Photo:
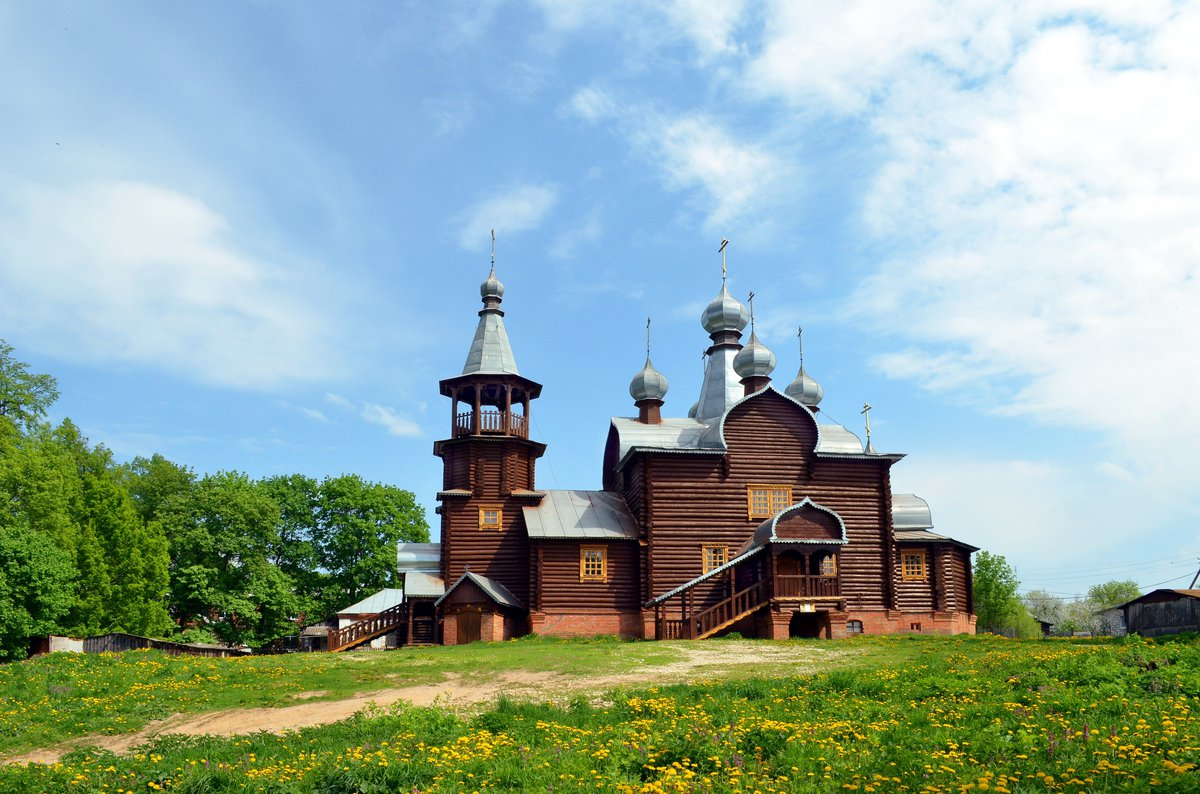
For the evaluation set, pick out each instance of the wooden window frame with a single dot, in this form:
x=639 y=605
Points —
x=919 y=572
x=498 y=510
x=584 y=576
x=705 y=559
x=772 y=489
x=833 y=561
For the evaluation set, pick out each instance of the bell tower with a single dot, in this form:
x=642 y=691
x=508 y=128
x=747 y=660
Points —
x=488 y=460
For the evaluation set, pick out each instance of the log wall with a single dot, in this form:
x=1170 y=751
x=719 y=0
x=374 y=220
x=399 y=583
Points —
x=561 y=588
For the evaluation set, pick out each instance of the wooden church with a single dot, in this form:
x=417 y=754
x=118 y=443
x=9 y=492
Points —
x=749 y=515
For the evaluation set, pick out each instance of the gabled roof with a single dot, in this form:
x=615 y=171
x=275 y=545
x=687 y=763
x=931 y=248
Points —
x=490 y=587
x=386 y=598
x=1161 y=592
x=592 y=515
x=691 y=435
x=764 y=533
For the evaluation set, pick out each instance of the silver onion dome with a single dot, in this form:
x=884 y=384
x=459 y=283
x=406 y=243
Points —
x=648 y=384
x=725 y=313
x=491 y=286
x=694 y=410
x=754 y=360
x=805 y=390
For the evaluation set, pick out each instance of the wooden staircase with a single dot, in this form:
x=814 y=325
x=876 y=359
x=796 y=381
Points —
x=721 y=615
x=365 y=630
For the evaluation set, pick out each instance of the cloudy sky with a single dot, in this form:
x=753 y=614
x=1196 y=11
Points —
x=250 y=236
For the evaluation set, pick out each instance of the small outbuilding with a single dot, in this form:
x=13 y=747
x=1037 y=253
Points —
x=1162 y=612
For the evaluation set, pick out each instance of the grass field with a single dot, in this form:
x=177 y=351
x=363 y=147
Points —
x=897 y=714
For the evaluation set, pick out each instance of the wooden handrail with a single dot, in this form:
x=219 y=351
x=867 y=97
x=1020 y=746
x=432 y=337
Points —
x=363 y=630
x=805 y=586
x=738 y=604
x=491 y=423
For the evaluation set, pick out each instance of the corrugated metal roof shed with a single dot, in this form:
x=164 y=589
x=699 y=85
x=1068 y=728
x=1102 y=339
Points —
x=594 y=515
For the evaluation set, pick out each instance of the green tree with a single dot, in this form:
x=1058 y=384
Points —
x=153 y=482
x=219 y=535
x=24 y=396
x=997 y=607
x=1113 y=593
x=294 y=548
x=358 y=527
x=36 y=588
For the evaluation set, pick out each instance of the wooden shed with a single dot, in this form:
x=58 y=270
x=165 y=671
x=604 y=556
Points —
x=1162 y=612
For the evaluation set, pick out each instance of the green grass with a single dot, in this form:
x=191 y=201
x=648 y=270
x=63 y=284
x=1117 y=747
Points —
x=904 y=714
x=62 y=696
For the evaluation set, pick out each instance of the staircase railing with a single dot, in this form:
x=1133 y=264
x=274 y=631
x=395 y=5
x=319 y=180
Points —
x=735 y=607
x=367 y=629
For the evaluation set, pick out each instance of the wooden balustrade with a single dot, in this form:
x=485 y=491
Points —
x=806 y=586
x=740 y=603
x=490 y=423
x=363 y=630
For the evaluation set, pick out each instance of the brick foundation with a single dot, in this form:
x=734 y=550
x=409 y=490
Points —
x=589 y=623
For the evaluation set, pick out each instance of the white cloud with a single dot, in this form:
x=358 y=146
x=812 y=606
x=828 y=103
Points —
x=386 y=417
x=314 y=414
x=568 y=241
x=339 y=401
x=514 y=209
x=730 y=178
x=128 y=271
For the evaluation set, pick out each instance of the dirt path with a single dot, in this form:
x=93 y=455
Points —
x=697 y=661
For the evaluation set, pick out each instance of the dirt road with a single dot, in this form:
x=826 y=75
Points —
x=698 y=661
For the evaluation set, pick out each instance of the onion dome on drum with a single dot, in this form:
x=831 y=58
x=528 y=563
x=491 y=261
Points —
x=725 y=313
x=491 y=286
x=648 y=384
x=754 y=360
x=805 y=390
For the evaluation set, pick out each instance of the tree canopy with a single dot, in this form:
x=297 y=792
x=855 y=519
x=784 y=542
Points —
x=89 y=545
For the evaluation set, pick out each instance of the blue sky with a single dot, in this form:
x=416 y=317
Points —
x=250 y=236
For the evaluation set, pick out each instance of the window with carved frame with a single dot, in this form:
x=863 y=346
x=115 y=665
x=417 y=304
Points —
x=764 y=501
x=828 y=566
x=491 y=517
x=593 y=564
x=713 y=555
x=912 y=566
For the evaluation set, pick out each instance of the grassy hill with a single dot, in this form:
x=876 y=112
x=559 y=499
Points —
x=885 y=714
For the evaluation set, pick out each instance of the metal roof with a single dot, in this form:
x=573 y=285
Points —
x=594 y=515
x=910 y=511
x=490 y=587
x=424 y=557
x=692 y=435
x=386 y=598
x=490 y=350
x=925 y=536
x=418 y=584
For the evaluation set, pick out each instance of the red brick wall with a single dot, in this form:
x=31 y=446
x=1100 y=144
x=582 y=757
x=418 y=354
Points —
x=580 y=623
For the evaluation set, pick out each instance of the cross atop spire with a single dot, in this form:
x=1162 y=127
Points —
x=724 y=243
x=750 y=300
x=647 y=337
x=866 y=412
x=493 y=249
x=800 y=336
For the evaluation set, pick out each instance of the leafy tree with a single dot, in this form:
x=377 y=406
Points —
x=294 y=549
x=24 y=396
x=152 y=482
x=36 y=588
x=220 y=533
x=1113 y=593
x=358 y=527
x=1044 y=606
x=997 y=607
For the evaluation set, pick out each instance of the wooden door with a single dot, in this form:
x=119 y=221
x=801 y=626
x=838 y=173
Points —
x=468 y=627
